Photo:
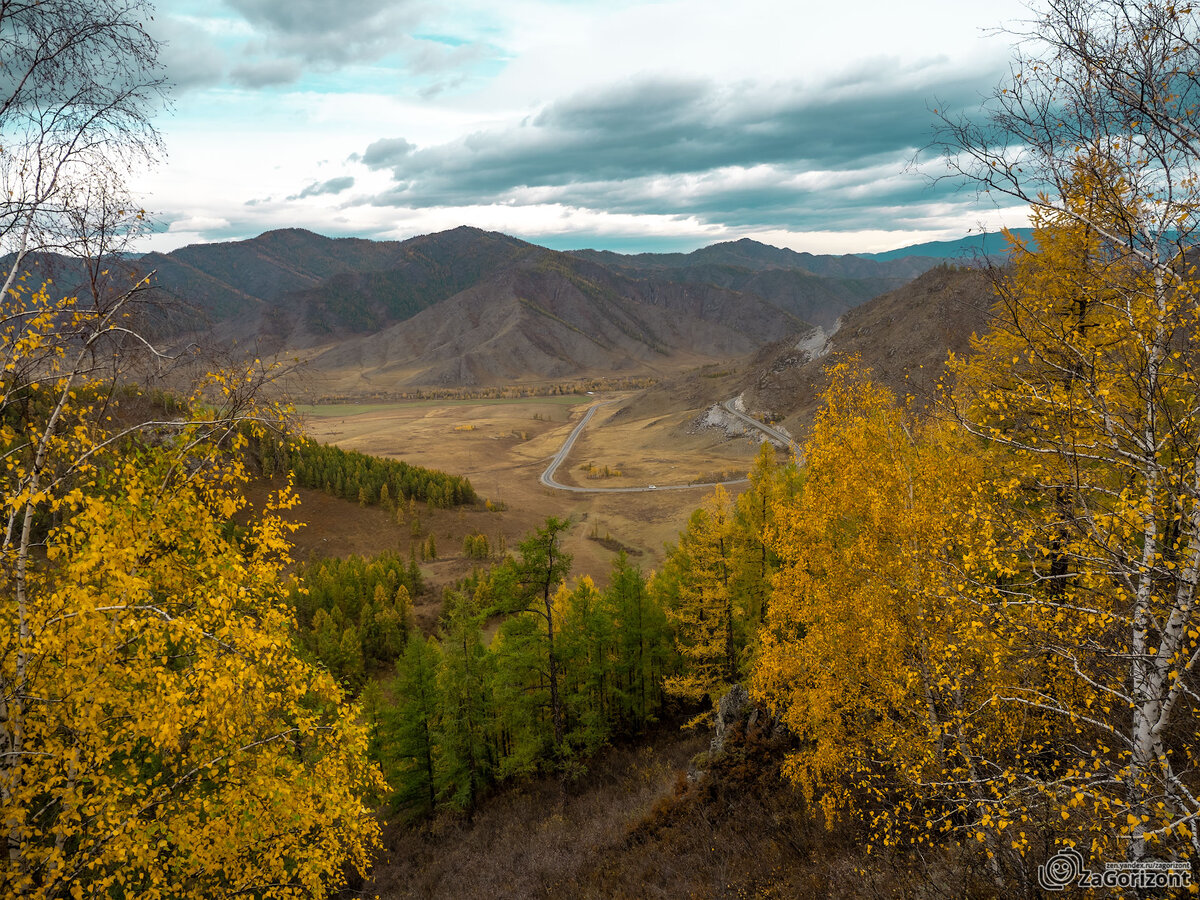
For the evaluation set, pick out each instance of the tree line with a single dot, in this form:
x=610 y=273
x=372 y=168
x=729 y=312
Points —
x=985 y=626
x=354 y=615
x=506 y=392
x=359 y=477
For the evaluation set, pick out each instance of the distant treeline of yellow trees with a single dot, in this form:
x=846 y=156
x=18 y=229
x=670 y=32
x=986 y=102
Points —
x=505 y=392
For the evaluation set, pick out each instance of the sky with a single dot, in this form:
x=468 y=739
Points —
x=620 y=124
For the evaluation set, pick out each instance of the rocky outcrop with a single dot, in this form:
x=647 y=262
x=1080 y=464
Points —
x=729 y=711
x=733 y=709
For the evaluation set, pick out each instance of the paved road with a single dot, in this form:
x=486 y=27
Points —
x=770 y=432
x=547 y=478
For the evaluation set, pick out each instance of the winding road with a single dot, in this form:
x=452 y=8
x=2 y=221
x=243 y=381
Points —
x=773 y=433
x=547 y=478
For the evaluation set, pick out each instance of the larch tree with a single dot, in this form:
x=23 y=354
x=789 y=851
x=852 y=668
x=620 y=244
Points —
x=466 y=723
x=522 y=693
x=754 y=523
x=587 y=649
x=407 y=740
x=695 y=587
x=642 y=642
x=528 y=587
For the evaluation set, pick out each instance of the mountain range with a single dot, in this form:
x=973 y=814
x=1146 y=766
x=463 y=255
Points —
x=902 y=338
x=467 y=308
x=981 y=245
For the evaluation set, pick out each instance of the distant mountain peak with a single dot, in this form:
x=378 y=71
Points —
x=744 y=242
x=301 y=232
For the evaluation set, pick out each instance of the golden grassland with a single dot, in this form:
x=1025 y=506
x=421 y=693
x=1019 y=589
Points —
x=503 y=446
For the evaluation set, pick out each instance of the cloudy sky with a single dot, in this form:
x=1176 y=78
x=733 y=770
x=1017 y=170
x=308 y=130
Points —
x=623 y=124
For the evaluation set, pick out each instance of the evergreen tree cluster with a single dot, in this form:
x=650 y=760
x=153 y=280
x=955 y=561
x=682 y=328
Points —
x=465 y=714
x=477 y=546
x=355 y=476
x=355 y=615
x=715 y=584
x=567 y=669
x=571 y=667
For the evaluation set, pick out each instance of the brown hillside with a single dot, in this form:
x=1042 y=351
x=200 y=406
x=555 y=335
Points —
x=903 y=336
x=293 y=280
x=635 y=826
x=468 y=308
x=549 y=316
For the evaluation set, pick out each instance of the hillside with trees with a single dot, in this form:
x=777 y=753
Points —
x=160 y=735
x=947 y=649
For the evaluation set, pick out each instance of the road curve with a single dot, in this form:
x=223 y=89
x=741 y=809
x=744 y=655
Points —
x=770 y=432
x=547 y=478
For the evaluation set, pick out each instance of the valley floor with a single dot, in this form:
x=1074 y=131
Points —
x=504 y=446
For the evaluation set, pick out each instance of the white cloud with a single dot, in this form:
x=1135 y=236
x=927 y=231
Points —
x=197 y=225
x=229 y=146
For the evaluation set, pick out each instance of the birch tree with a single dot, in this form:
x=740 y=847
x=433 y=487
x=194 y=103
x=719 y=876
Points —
x=1098 y=405
x=1090 y=380
x=79 y=83
x=158 y=734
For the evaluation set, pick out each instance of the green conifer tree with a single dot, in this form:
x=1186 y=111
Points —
x=408 y=747
x=464 y=689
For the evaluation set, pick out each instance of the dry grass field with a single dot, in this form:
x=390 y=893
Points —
x=504 y=445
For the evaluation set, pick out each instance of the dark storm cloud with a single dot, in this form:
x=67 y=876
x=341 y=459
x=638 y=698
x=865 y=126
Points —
x=386 y=152
x=332 y=186
x=781 y=195
x=328 y=32
x=616 y=149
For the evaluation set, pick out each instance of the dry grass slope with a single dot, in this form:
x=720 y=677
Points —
x=635 y=826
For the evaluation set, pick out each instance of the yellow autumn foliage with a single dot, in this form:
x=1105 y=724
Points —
x=985 y=627
x=867 y=642
x=159 y=736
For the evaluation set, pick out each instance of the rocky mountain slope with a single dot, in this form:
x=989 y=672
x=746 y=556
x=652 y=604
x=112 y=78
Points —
x=467 y=308
x=549 y=317
x=903 y=337
x=815 y=288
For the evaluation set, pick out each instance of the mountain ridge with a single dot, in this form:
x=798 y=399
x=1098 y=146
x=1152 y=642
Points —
x=468 y=307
